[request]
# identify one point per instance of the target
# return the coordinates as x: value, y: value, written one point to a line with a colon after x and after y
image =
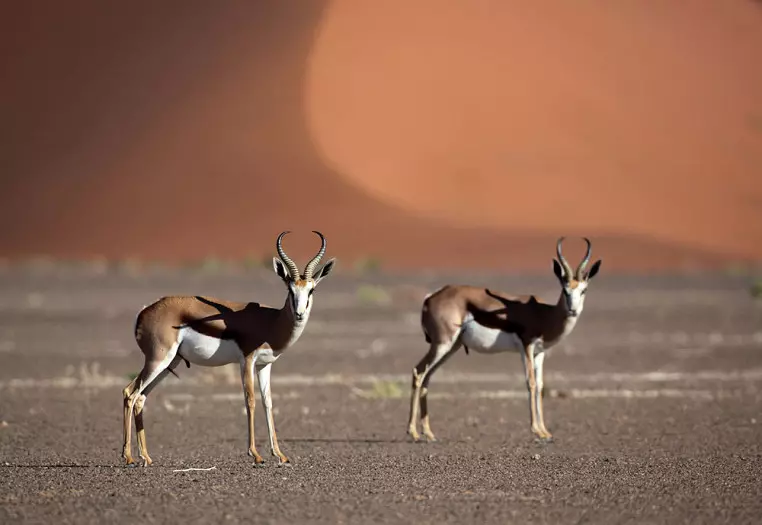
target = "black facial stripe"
x: 293, y: 298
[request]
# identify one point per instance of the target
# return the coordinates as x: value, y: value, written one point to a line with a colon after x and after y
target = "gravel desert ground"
x: 654, y: 401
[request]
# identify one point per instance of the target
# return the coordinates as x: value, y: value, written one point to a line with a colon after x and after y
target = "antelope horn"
x: 562, y: 259
x: 315, y: 260
x: 586, y: 260
x: 292, y: 268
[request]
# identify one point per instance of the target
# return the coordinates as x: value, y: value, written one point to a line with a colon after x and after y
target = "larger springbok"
x: 211, y: 332
x: 489, y: 322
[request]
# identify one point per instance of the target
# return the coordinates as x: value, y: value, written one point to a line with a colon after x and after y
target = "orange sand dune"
x: 465, y: 134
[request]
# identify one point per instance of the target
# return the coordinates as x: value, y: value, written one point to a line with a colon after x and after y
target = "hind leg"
x: 126, y: 394
x: 140, y: 405
x: 152, y: 371
x: 140, y: 430
x: 419, y: 389
x: 415, y: 392
x: 439, y: 360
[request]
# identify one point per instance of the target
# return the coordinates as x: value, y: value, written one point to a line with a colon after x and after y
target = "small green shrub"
x: 756, y: 289
x: 371, y: 294
x: 255, y: 262
x: 211, y: 265
x: 382, y: 390
x: 367, y: 265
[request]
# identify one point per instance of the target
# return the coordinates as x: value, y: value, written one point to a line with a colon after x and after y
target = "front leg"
x: 539, y: 360
x: 263, y: 375
x: 527, y: 358
x: 247, y: 378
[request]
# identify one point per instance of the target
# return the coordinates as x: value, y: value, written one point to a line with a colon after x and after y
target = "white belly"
x: 204, y: 350
x: 488, y: 340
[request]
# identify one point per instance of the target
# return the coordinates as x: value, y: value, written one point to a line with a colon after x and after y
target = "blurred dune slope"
x: 458, y: 134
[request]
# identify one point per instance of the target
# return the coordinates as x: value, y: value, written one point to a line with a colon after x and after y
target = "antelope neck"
x: 287, y: 326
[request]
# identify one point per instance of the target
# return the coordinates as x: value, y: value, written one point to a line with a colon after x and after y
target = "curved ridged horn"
x: 562, y: 259
x: 586, y: 260
x: 315, y: 260
x: 292, y: 268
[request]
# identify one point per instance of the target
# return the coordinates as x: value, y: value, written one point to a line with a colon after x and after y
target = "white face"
x: 574, y: 294
x: 301, y: 298
x: 574, y: 290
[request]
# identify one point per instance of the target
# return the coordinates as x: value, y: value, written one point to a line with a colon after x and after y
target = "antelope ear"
x: 280, y: 269
x: 559, y: 271
x: 594, y: 270
x: 325, y: 270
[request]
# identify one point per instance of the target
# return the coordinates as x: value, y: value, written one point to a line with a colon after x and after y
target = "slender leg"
x: 415, y: 393
x: 437, y: 355
x: 152, y: 371
x: 127, y: 448
x: 439, y: 361
x: 527, y: 358
x: 263, y: 376
x: 140, y: 430
x: 247, y: 377
x: 140, y: 406
x: 539, y: 360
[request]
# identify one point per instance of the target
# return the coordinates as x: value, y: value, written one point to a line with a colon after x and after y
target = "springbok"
x: 211, y: 332
x: 490, y: 323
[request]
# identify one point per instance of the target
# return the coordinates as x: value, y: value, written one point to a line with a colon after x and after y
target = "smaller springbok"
x: 490, y: 323
x: 211, y: 332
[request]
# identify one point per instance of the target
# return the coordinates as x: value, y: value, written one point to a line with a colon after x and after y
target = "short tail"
x: 424, y: 309
x: 137, y: 320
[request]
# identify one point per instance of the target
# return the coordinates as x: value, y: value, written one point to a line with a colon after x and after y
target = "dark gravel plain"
x: 655, y: 403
